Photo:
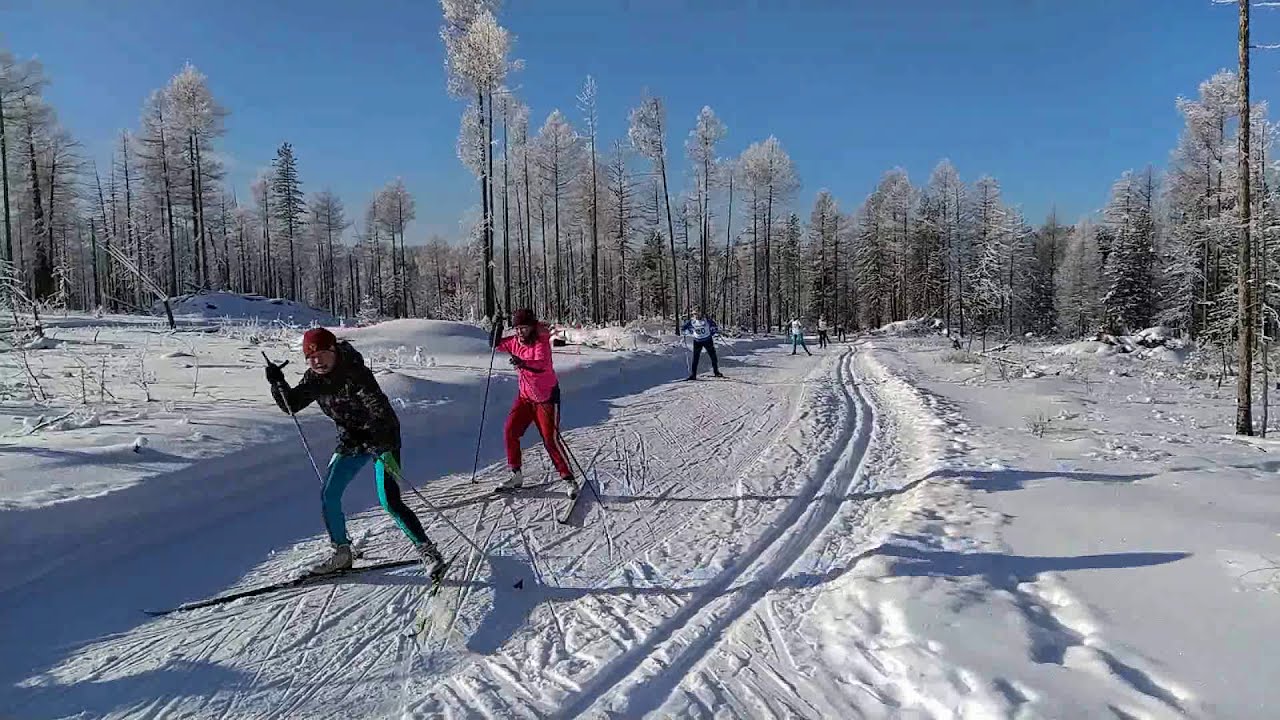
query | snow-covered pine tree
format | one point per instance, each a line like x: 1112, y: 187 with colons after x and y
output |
x: 1080, y: 276
x: 1129, y: 302
x: 289, y: 205
x: 1040, y: 302
x: 989, y: 231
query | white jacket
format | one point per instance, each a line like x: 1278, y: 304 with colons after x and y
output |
x: 797, y: 328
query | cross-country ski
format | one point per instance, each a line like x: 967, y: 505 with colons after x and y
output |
x: 769, y: 360
x: 307, y: 578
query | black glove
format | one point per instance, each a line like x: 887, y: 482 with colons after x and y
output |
x: 275, y: 373
x: 517, y: 362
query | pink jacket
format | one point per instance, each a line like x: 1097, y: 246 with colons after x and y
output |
x: 539, y: 379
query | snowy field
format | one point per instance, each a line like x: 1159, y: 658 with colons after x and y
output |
x: 888, y: 529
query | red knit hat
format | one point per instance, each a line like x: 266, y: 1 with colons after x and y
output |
x: 317, y: 339
x: 523, y: 316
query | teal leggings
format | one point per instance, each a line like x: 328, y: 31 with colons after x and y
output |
x: 342, y: 469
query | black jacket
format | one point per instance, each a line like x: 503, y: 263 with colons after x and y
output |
x: 350, y: 395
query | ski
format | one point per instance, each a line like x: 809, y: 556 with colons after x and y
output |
x: 300, y: 581
x: 575, y: 494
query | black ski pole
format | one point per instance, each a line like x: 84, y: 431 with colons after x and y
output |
x: 494, y: 336
x: 305, y: 445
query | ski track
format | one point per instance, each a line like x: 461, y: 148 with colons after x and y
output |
x: 731, y: 485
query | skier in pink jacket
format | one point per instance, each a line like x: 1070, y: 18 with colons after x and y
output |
x: 539, y: 397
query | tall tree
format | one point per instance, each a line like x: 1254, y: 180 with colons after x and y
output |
x: 1130, y: 299
x: 701, y: 148
x: 328, y: 222
x: 158, y: 154
x: 560, y: 155
x: 18, y: 81
x: 771, y: 175
x: 197, y: 121
x: 648, y: 136
x: 1244, y: 269
x: 587, y: 104
x: 620, y: 190
x: 476, y: 49
x: 286, y: 190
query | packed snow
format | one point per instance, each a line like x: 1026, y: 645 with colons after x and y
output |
x: 891, y: 528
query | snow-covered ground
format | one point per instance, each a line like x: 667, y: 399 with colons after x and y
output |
x: 888, y: 529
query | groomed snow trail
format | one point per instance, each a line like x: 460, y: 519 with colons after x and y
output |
x: 715, y: 494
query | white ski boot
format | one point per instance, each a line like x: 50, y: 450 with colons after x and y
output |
x: 340, y: 560
x: 516, y: 480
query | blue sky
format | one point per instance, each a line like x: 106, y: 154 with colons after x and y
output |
x: 1053, y: 98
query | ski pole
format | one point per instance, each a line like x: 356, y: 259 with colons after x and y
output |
x: 493, y: 342
x: 305, y: 445
x: 398, y: 475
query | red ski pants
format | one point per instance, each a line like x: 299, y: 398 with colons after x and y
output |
x: 523, y: 413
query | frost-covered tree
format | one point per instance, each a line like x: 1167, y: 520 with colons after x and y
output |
x: 824, y: 227
x: 327, y: 223
x: 648, y: 135
x: 942, y: 216
x: 1047, y: 246
x: 395, y: 210
x: 1130, y: 298
x: 1079, y: 286
x: 621, y: 193
x: 701, y: 150
x: 771, y: 177
x: 1200, y: 196
x: 989, y: 234
x: 560, y: 162
x: 197, y: 120
x: 477, y: 64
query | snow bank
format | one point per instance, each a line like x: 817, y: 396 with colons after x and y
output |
x: 234, y: 306
x: 632, y: 337
x: 1084, y: 347
x: 420, y: 343
x: 909, y: 328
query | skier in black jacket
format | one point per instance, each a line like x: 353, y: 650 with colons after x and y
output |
x: 345, y: 389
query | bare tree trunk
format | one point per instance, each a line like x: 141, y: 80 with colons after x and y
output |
x: 206, y: 241
x: 506, y: 215
x: 168, y: 206
x: 728, y: 239
x: 486, y: 212
x: 4, y: 188
x: 42, y: 275
x: 671, y: 235
x: 1244, y: 307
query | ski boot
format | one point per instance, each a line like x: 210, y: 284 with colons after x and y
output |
x: 514, y: 481
x: 340, y: 560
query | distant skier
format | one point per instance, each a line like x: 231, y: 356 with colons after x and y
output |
x: 703, y: 331
x: 822, y: 331
x: 538, y: 400
x: 346, y: 390
x: 797, y: 337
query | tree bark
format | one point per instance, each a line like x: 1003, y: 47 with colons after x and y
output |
x: 4, y: 188
x: 1244, y: 306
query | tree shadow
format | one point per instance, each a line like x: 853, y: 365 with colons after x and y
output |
x: 133, y: 693
x: 911, y: 561
x: 1006, y: 480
